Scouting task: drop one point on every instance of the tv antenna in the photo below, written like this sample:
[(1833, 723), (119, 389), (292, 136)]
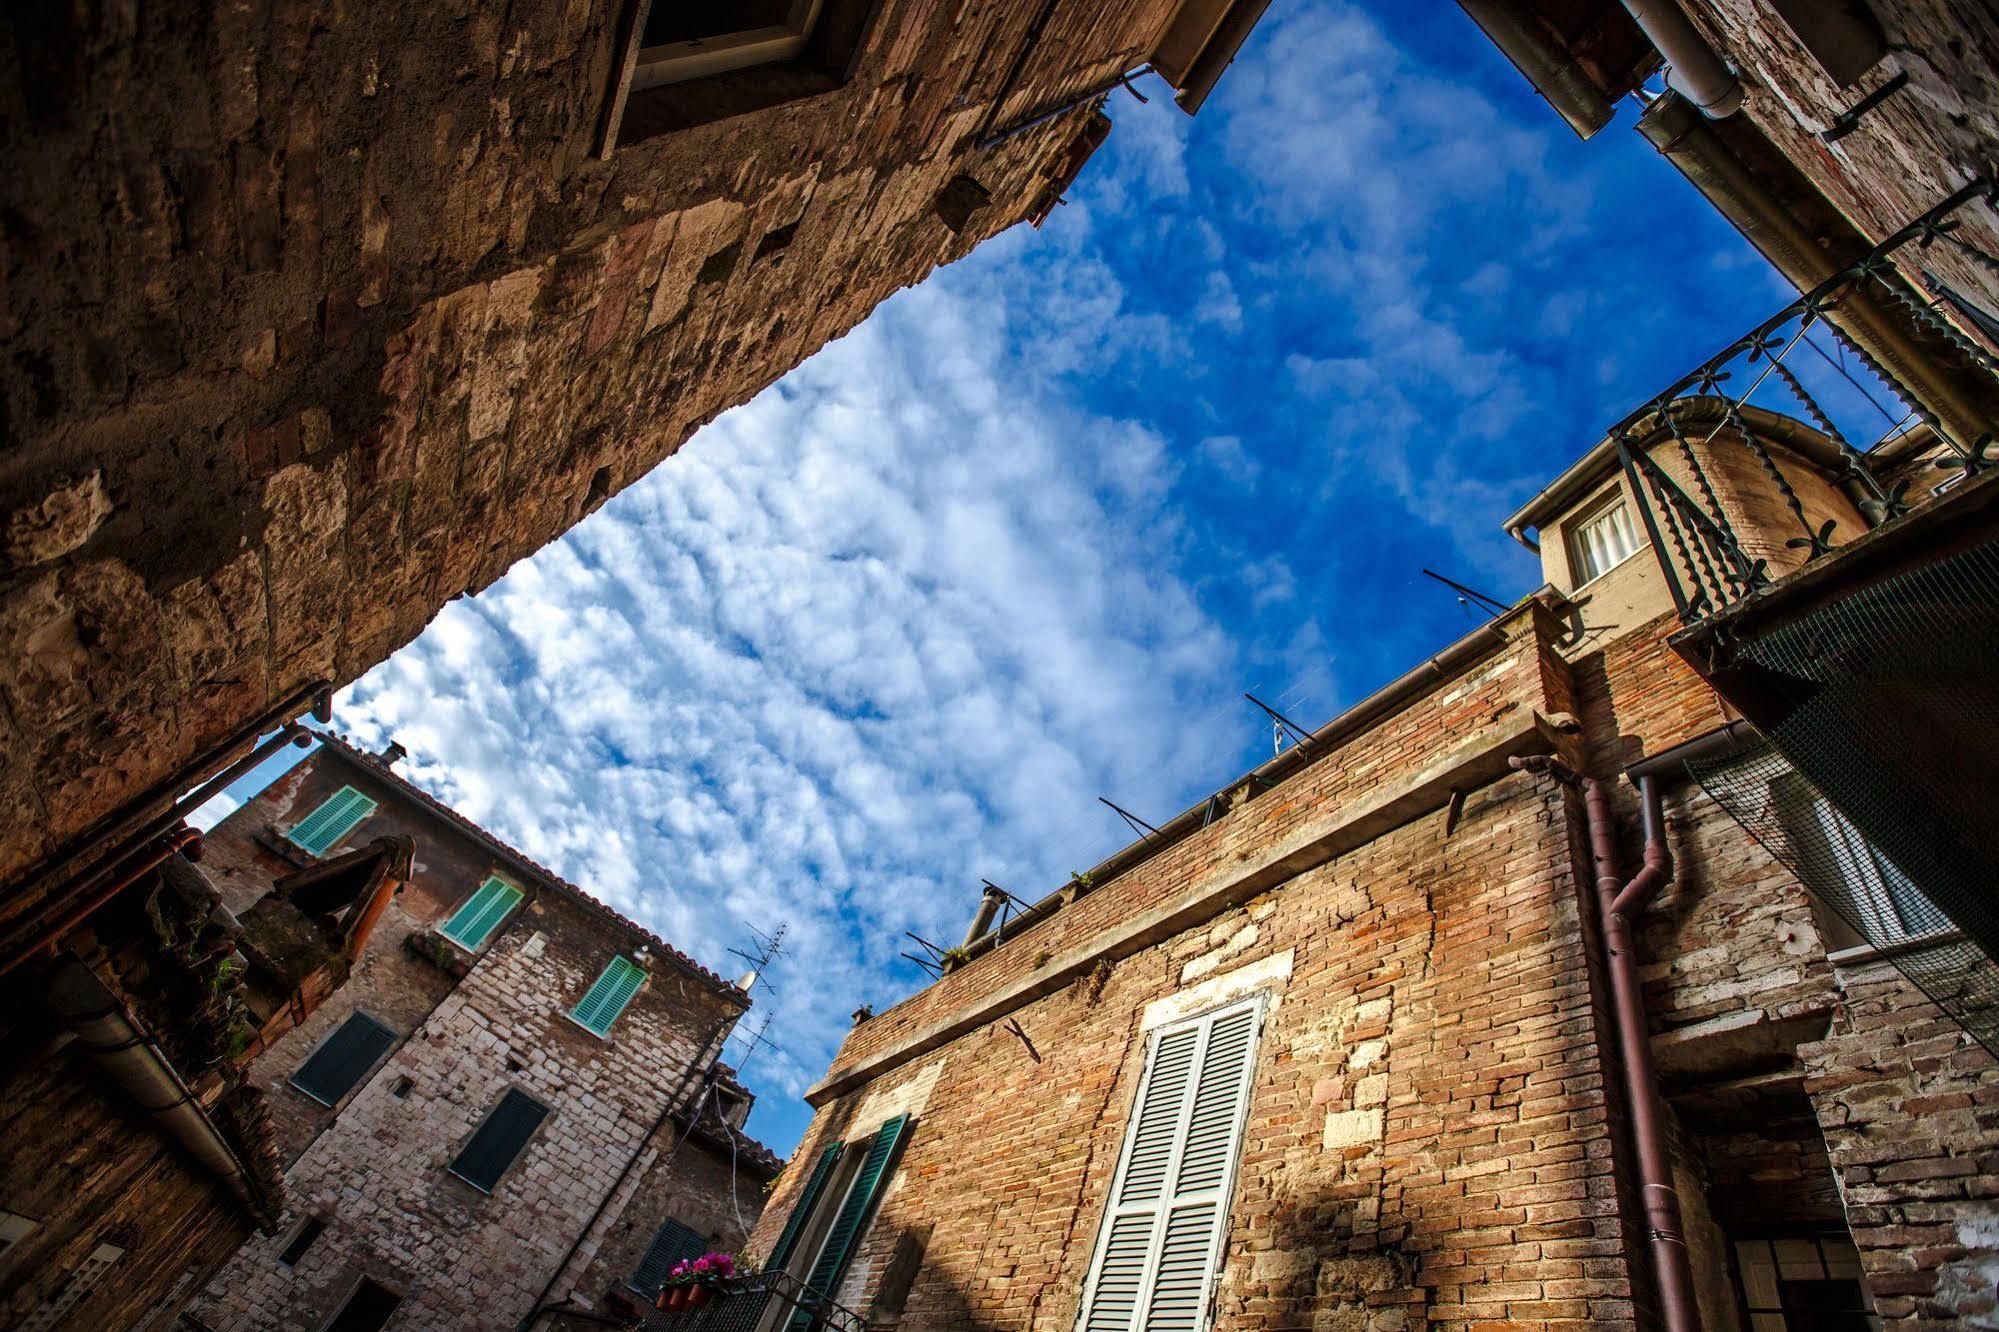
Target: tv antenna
[(769, 947), (1491, 606)]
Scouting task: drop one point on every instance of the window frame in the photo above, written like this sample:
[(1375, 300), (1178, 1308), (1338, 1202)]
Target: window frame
[(1574, 548), (1866, 872), (354, 1288), (499, 1178), (360, 1079), (325, 848), (1817, 1236), (471, 900), (618, 960), (664, 65), (1162, 1208)]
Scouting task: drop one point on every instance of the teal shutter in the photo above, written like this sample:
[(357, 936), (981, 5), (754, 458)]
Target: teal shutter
[(855, 1213), (321, 830), (473, 923), (673, 1243), (608, 997), (801, 1212)]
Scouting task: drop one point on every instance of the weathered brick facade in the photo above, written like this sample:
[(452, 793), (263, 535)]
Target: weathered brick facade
[(372, 1167), (1437, 1132), (319, 318)]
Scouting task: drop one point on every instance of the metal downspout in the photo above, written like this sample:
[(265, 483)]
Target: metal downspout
[(1618, 905), (1694, 71), (128, 1057), (705, 1062)]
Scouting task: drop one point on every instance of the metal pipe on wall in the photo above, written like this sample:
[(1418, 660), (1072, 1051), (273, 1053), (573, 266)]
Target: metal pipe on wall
[(1694, 70), (1619, 903)]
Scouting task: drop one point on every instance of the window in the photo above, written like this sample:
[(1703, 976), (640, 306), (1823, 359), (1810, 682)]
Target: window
[(367, 1308), (682, 41), (301, 1240), (829, 1222), (672, 1244), (1881, 897), (13, 1229), (337, 815), (689, 64), (52, 1311), (499, 1141), (1802, 1282), (343, 1059), (474, 922), (608, 997), (1161, 1237), (1601, 538)]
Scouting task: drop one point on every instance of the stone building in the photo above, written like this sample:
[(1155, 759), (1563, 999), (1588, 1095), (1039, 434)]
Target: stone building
[(516, 1102), (1469, 1010), (319, 317), (136, 1150)]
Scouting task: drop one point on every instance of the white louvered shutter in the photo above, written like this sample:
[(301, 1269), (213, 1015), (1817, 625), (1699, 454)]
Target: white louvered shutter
[(1162, 1234)]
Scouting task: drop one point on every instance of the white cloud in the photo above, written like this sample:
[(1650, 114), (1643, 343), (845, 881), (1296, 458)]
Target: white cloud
[(886, 630)]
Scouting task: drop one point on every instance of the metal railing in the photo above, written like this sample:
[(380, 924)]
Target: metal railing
[(1707, 564), (741, 1304)]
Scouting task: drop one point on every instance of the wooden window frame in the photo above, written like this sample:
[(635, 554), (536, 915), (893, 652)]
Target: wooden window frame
[(623, 965), (326, 846), (491, 881), (357, 1015), (1162, 1208)]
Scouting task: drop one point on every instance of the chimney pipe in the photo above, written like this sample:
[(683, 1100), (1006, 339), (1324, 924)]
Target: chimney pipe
[(989, 904), (391, 754)]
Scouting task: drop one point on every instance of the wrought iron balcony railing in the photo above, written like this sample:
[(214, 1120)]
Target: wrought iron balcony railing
[(1712, 557), (746, 1303)]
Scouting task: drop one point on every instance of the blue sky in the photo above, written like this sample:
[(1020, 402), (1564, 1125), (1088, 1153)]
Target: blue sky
[(1025, 536)]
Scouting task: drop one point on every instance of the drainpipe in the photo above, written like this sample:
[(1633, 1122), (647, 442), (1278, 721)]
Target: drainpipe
[(129, 1058), (1619, 904), (704, 1063), (1694, 71), (46, 931)]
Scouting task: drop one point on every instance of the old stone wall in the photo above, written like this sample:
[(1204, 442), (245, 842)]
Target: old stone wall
[(373, 1167), (80, 1162), (1940, 131), (370, 320)]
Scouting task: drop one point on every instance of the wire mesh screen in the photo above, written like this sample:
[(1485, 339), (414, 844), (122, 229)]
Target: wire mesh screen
[(1792, 818)]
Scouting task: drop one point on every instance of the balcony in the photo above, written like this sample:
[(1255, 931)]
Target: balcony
[(766, 1301), (1822, 497)]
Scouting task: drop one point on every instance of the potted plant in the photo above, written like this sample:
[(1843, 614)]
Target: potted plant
[(705, 1273)]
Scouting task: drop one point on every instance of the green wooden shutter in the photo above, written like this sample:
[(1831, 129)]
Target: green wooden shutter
[(855, 1213), (473, 923), (672, 1243), (608, 997), (1162, 1232), (321, 830), (499, 1140), (801, 1211), (343, 1059)]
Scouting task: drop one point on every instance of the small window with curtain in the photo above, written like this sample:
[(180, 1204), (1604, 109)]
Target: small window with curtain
[(343, 1059), (475, 920), (1601, 538), (608, 997), (488, 1153), (337, 815)]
